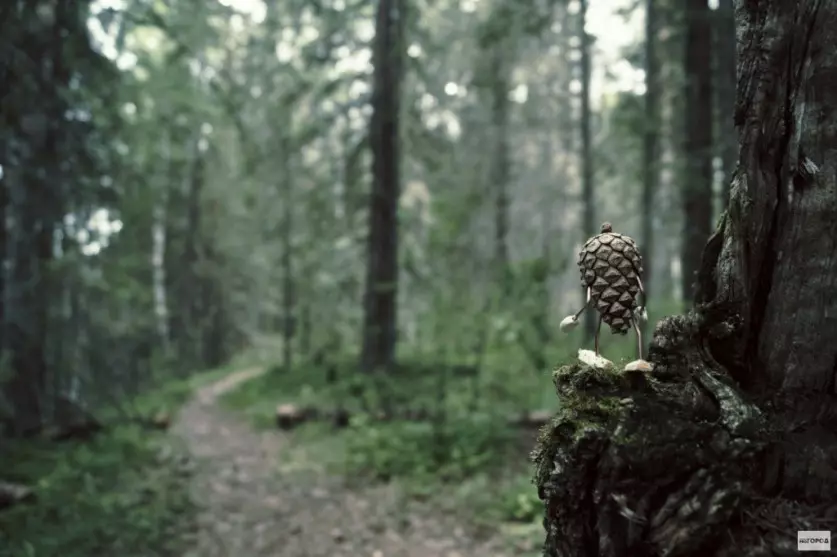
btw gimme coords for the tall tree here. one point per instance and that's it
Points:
(500, 163)
(742, 421)
(587, 185)
(288, 321)
(725, 64)
(650, 143)
(41, 143)
(697, 193)
(380, 296)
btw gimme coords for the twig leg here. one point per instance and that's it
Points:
(579, 312)
(638, 338)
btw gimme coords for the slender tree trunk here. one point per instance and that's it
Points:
(587, 185)
(380, 297)
(650, 145)
(26, 302)
(500, 162)
(697, 195)
(289, 321)
(193, 260)
(158, 256)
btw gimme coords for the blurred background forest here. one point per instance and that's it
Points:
(379, 202)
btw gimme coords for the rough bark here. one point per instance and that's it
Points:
(729, 446)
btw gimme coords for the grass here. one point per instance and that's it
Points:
(114, 495)
(465, 456)
(121, 493)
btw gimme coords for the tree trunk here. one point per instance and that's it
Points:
(500, 157)
(587, 186)
(726, 140)
(158, 256)
(728, 447)
(650, 145)
(380, 296)
(288, 317)
(697, 196)
(193, 260)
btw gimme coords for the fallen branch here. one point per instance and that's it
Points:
(12, 494)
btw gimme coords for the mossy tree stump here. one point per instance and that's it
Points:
(651, 463)
(729, 446)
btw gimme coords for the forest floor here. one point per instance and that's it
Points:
(251, 507)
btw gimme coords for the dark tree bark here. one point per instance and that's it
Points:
(193, 258)
(380, 296)
(587, 186)
(730, 445)
(288, 317)
(725, 62)
(500, 160)
(651, 143)
(697, 193)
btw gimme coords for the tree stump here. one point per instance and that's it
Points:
(671, 462)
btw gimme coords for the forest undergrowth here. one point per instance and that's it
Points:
(121, 492)
(445, 435)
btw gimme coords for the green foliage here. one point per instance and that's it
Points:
(418, 450)
(115, 495)
(445, 429)
(519, 501)
(121, 493)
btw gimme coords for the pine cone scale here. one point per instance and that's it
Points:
(610, 266)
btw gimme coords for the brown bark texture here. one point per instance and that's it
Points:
(729, 446)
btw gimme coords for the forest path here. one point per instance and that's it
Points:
(249, 509)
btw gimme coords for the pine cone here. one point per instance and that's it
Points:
(611, 266)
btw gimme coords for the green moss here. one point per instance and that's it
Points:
(580, 377)
(589, 403)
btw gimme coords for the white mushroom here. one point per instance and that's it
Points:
(569, 323)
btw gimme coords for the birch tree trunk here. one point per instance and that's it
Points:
(158, 255)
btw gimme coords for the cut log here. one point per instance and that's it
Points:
(12, 494)
(77, 431)
(289, 416)
(161, 420)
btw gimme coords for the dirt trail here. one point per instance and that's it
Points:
(249, 510)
